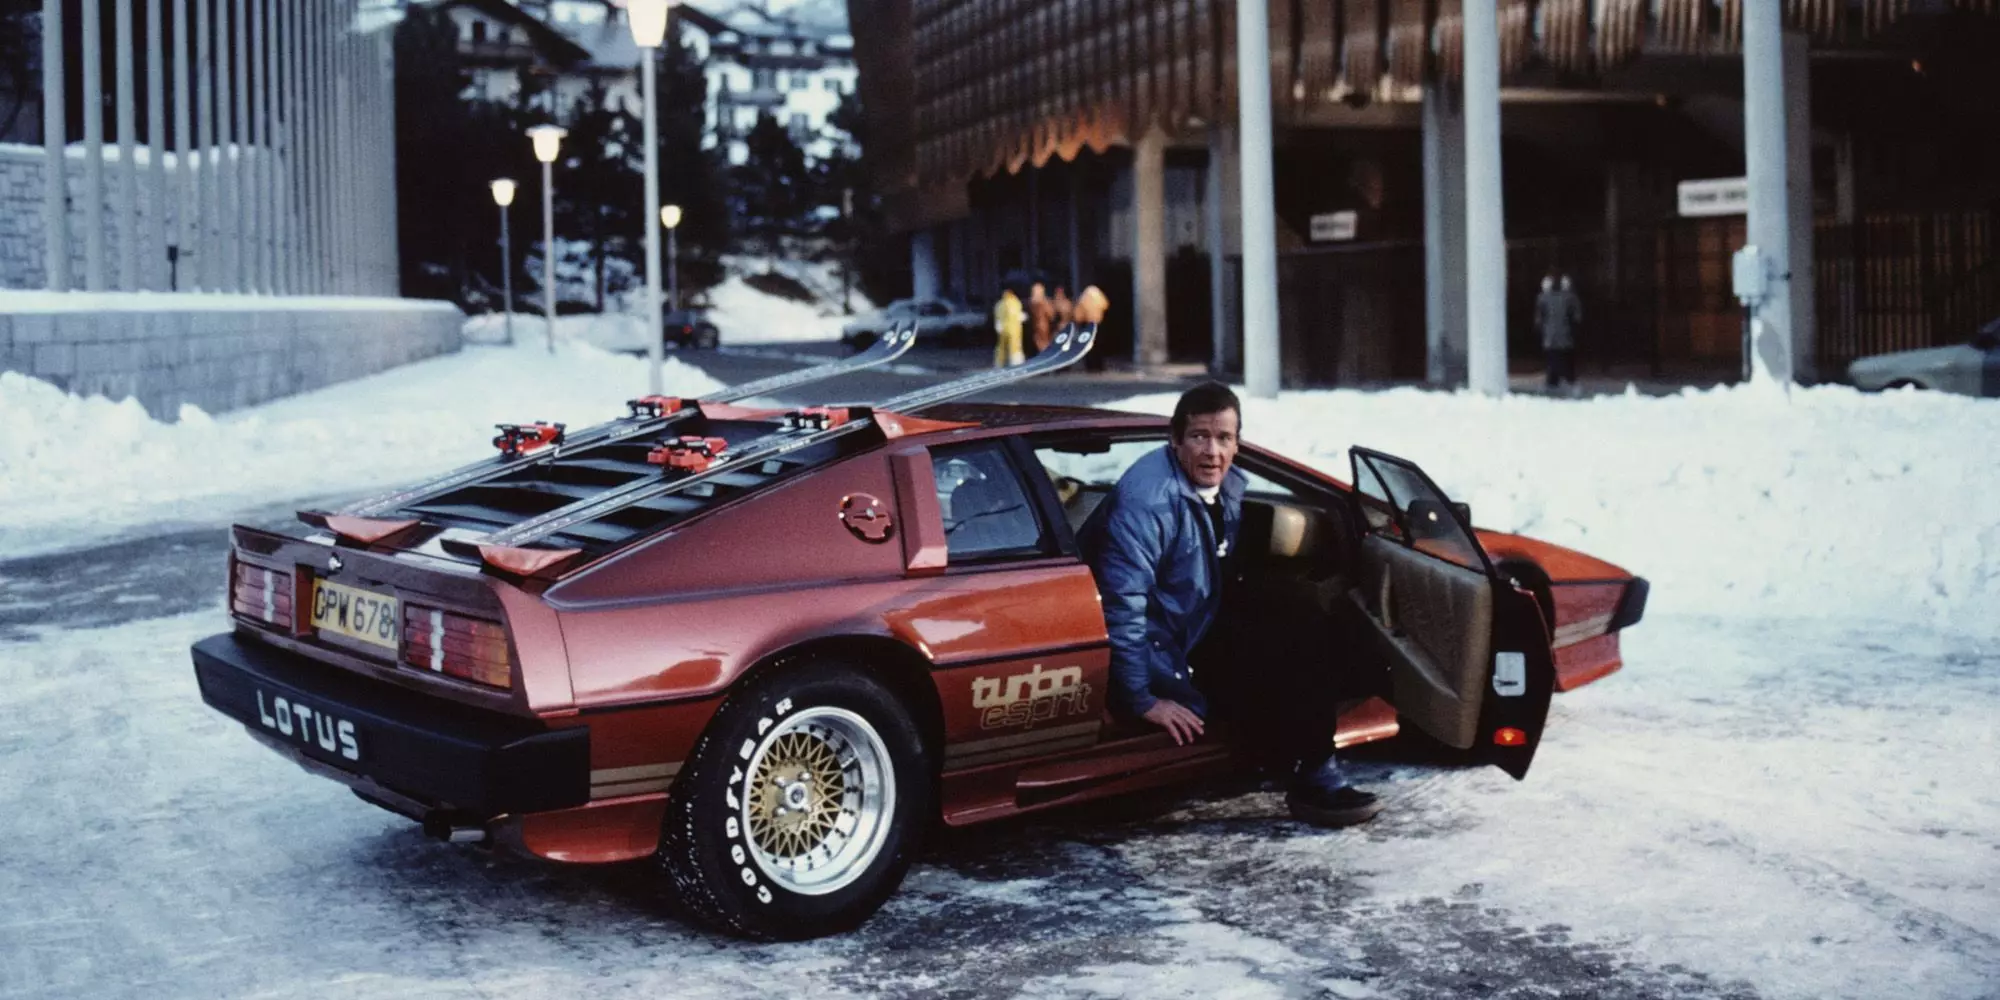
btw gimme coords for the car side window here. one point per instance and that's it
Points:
(987, 512)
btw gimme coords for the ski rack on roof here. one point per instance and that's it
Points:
(803, 430)
(643, 420)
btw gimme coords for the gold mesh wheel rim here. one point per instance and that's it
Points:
(817, 797)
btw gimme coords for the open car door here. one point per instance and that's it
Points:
(1468, 653)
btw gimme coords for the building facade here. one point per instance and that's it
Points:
(1096, 141)
(790, 68)
(210, 216)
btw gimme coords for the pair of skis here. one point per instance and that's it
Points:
(892, 345)
(1068, 347)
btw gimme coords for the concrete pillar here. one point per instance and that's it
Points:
(1149, 249)
(257, 225)
(93, 148)
(923, 265)
(1777, 161)
(126, 103)
(55, 139)
(1223, 181)
(262, 115)
(1485, 231)
(184, 191)
(1260, 213)
(155, 274)
(1444, 237)
(241, 256)
(202, 269)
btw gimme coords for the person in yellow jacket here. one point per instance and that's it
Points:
(1007, 319)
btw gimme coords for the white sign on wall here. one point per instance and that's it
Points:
(1720, 196)
(1331, 226)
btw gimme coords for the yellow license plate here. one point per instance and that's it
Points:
(357, 614)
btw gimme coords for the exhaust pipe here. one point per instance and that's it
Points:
(454, 829)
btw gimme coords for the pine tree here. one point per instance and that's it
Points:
(690, 176)
(772, 187)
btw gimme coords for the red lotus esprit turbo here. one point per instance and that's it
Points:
(768, 648)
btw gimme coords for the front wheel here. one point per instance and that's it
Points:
(802, 805)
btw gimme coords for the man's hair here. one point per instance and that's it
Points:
(1206, 398)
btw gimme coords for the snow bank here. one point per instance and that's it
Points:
(76, 469)
(742, 315)
(745, 315)
(1732, 500)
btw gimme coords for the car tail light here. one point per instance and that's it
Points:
(262, 595)
(457, 646)
(1508, 736)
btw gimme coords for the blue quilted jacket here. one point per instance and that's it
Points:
(1152, 547)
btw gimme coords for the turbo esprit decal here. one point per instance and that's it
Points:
(1025, 699)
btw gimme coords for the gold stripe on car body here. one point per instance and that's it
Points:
(1022, 752)
(1019, 739)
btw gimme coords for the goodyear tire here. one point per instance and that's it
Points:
(802, 805)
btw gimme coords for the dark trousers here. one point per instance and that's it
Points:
(1280, 697)
(1561, 365)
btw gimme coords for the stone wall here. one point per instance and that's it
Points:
(217, 358)
(22, 250)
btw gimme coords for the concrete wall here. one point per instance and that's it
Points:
(218, 359)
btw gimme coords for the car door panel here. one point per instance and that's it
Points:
(1467, 652)
(1432, 621)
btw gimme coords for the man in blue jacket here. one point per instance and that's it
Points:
(1158, 546)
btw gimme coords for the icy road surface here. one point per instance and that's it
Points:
(1752, 809)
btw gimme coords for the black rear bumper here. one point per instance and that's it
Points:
(445, 755)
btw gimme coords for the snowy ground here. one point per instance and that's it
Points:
(1791, 791)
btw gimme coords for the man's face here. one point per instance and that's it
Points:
(1207, 447)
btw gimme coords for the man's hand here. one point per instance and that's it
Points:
(1177, 719)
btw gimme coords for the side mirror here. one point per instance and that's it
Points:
(1463, 510)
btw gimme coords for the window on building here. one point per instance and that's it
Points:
(762, 78)
(479, 32)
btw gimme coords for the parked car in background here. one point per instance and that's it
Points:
(938, 320)
(1971, 368)
(685, 328)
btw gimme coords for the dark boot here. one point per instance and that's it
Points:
(1321, 795)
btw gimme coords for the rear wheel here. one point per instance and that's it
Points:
(802, 806)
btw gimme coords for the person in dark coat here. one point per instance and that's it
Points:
(1558, 312)
(1157, 546)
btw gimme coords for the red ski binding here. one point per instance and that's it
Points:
(654, 407)
(816, 418)
(516, 440)
(688, 454)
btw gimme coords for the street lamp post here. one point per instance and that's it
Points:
(548, 142)
(670, 217)
(847, 262)
(503, 196)
(648, 21)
